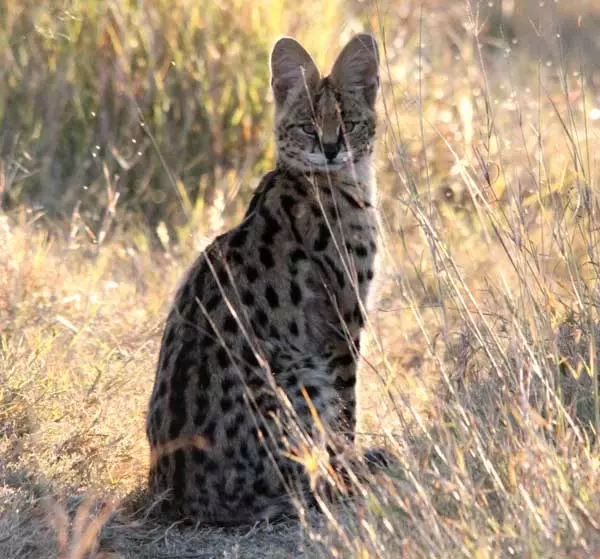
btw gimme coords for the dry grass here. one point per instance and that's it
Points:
(481, 371)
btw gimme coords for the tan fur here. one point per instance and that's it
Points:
(271, 312)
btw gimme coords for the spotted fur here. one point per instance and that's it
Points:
(265, 328)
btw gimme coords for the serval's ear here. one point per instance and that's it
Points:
(357, 67)
(292, 69)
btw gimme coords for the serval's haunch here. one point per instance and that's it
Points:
(265, 328)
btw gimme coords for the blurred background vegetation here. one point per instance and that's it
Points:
(160, 110)
(133, 125)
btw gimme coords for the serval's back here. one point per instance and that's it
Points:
(267, 322)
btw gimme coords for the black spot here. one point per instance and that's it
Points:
(238, 238)
(297, 255)
(230, 325)
(260, 487)
(240, 481)
(295, 293)
(344, 360)
(266, 257)
(261, 317)
(207, 341)
(360, 277)
(199, 455)
(222, 357)
(229, 453)
(339, 274)
(358, 316)
(323, 238)
(287, 203)
(361, 251)
(255, 383)
(251, 273)
(249, 356)
(240, 419)
(212, 303)
(210, 466)
(247, 297)
(179, 476)
(291, 381)
(272, 227)
(344, 383)
(298, 186)
(227, 384)
(235, 256)
(223, 277)
(308, 363)
(232, 431)
(226, 404)
(274, 333)
(370, 274)
(262, 453)
(271, 296)
(209, 431)
(293, 327)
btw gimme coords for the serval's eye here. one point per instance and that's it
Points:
(349, 126)
(308, 129)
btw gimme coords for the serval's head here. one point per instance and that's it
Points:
(325, 124)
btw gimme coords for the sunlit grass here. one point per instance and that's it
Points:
(481, 368)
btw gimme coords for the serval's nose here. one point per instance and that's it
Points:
(331, 151)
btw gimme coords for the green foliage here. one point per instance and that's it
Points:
(93, 91)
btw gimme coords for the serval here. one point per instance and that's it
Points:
(260, 347)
